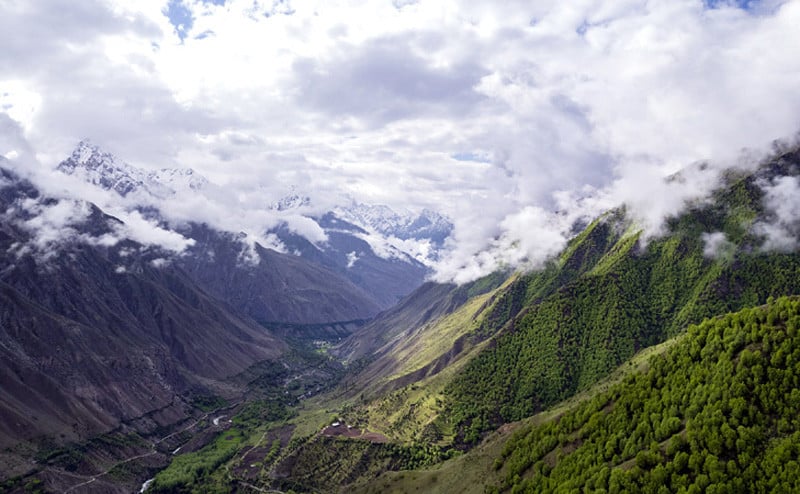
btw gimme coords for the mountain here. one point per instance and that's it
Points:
(350, 251)
(716, 412)
(427, 225)
(346, 265)
(96, 334)
(443, 369)
(93, 165)
(271, 287)
(611, 294)
(419, 337)
(290, 202)
(711, 410)
(435, 386)
(362, 244)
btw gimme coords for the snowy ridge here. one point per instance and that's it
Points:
(378, 218)
(178, 179)
(405, 236)
(104, 170)
(290, 202)
(386, 221)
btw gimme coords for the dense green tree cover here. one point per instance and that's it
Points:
(715, 413)
(190, 472)
(324, 464)
(610, 294)
(259, 412)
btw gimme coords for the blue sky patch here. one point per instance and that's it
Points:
(279, 7)
(470, 156)
(180, 17)
(742, 4)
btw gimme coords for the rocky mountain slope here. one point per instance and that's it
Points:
(94, 334)
(349, 253)
(272, 288)
(105, 336)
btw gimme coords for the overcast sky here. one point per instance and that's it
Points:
(494, 113)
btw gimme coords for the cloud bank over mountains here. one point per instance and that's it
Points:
(514, 119)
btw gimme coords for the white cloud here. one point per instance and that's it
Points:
(59, 215)
(527, 239)
(55, 223)
(305, 227)
(373, 101)
(51, 225)
(782, 200)
(651, 195)
(159, 262)
(383, 247)
(716, 244)
(148, 233)
(19, 102)
(48, 223)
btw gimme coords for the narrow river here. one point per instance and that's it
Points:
(146, 485)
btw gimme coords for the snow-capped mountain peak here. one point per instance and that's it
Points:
(178, 179)
(104, 170)
(85, 151)
(290, 202)
(406, 225)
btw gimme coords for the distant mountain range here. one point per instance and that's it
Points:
(100, 331)
(104, 170)
(428, 224)
(91, 164)
(108, 341)
(359, 245)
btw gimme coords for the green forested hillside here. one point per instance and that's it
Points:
(547, 335)
(715, 413)
(609, 295)
(440, 374)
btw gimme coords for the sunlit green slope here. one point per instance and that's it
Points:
(439, 373)
(612, 293)
(714, 411)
